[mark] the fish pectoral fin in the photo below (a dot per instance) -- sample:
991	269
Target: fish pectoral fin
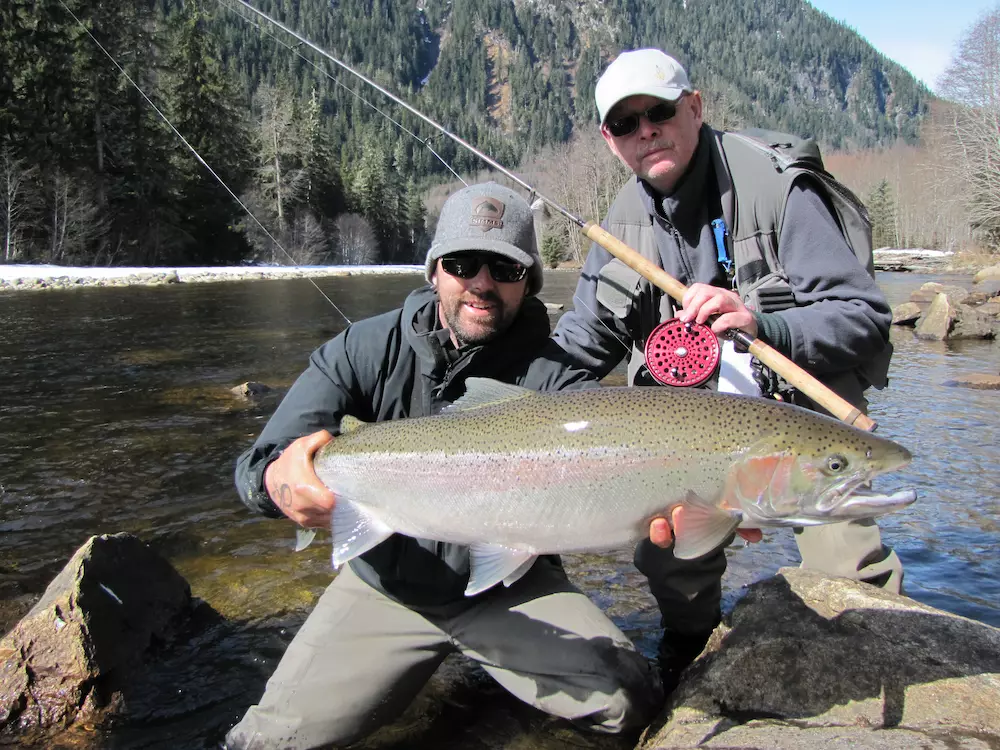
704	528
491	563
354	531
480	392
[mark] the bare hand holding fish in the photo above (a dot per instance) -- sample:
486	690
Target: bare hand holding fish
661	531
292	483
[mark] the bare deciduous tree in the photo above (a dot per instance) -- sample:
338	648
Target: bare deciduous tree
17	200
307	242
972	80
356	242
584	177
278	144
74	218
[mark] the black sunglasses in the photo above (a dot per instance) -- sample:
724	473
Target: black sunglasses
467	265
628	124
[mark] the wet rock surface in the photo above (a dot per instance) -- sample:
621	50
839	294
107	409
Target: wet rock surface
69	659
941	312
809	661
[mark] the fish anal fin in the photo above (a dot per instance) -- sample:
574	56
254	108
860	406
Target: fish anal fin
354	531
303	538
481	392
702	527
489	564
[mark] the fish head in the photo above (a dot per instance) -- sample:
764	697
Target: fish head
816	474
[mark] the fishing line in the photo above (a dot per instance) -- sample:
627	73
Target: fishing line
198	156
294	49
614	334
417	113
538	197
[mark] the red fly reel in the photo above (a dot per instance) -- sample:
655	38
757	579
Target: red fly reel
682	354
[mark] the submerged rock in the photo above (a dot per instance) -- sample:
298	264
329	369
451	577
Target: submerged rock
810	661
251	390
979	381
65	662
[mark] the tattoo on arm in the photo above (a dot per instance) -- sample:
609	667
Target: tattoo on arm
285	497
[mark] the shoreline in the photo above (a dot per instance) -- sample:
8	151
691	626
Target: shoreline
28	277
38	277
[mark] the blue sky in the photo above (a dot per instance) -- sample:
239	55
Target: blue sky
919	34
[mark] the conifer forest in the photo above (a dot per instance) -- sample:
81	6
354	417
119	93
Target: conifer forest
292	148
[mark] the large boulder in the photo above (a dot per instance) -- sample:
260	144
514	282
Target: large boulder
906	314
925	295
972	323
935	323
813	662
992	272
945	319
65	662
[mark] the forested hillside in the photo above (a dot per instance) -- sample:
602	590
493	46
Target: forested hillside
89	172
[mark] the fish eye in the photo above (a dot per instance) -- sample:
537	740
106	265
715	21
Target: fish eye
836	464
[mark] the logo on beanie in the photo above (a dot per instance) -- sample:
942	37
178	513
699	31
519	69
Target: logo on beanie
487	214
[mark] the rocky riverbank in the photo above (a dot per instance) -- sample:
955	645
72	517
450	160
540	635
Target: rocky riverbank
916	261
804	661
26	277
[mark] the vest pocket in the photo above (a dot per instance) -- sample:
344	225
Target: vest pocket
770	293
618	288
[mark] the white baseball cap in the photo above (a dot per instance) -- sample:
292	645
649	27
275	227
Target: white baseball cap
640	71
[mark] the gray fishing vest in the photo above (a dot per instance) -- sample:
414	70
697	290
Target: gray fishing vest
754	184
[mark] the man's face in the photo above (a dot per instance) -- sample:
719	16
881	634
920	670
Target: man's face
658	153
478	309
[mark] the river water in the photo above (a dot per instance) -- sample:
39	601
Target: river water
115	416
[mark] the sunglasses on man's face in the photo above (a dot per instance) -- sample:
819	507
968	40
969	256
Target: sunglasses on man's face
467	265
628	124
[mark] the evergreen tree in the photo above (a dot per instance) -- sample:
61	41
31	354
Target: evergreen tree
882	212
206	110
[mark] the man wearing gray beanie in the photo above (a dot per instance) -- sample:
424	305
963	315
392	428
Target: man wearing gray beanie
394	613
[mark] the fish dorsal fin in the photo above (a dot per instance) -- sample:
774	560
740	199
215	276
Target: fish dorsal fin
354	531
480	392
704	528
350	424
491	563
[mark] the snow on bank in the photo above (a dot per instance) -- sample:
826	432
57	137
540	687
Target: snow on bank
914	253
26	276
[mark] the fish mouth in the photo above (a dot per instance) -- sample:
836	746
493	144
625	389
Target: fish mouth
863	503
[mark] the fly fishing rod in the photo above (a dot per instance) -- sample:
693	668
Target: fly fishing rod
767	355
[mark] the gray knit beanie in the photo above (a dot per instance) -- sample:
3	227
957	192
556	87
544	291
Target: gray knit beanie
491	218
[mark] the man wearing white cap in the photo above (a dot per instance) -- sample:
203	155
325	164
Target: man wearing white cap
760	249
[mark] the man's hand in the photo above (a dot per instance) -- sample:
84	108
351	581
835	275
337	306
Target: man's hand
294	487
661	535
701	301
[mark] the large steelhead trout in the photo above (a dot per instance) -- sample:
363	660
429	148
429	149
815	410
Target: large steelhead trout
514	473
